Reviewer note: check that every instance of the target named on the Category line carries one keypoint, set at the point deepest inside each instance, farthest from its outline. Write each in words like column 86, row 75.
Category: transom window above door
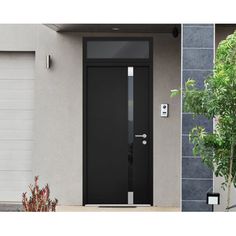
column 115, row 48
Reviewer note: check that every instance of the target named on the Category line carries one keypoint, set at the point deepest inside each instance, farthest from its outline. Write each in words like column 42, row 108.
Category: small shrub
column 39, row 199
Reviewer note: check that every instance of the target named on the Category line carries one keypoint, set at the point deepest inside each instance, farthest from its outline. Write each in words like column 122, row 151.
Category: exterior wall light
column 213, row 198
column 48, row 61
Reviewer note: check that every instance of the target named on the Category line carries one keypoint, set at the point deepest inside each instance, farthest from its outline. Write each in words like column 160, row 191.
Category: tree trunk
column 230, row 176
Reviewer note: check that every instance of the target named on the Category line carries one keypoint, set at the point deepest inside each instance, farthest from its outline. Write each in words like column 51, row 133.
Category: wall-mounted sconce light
column 48, row 61
column 213, row 198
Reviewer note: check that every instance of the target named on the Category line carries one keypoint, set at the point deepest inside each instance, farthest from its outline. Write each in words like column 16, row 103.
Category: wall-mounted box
column 164, row 110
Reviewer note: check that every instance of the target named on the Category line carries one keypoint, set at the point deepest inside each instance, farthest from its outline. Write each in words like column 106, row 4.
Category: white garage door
column 16, row 123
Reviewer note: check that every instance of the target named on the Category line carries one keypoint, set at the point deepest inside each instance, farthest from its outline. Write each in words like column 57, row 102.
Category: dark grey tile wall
column 198, row 54
column 198, row 59
column 198, row 37
column 192, row 168
column 190, row 122
column 196, row 206
column 198, row 75
column 187, row 147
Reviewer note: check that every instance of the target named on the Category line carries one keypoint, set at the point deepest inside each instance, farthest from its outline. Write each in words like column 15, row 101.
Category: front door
column 118, row 135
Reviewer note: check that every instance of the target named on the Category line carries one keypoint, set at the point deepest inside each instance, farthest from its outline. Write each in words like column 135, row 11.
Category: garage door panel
column 12, row 178
column 16, row 115
column 16, row 104
column 16, row 135
column 17, row 60
column 16, row 164
column 13, row 184
column 16, row 123
column 16, row 145
column 11, row 196
column 16, row 84
column 15, row 154
column 16, row 160
column 16, row 74
column 16, row 94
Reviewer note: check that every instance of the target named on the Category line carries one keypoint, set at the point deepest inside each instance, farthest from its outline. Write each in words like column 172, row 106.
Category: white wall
column 58, row 113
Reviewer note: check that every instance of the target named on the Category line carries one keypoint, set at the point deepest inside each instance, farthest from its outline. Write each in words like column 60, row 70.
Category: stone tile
column 195, row 189
column 187, row 147
column 198, row 37
column 195, row 206
column 188, row 122
column 198, row 76
column 197, row 64
column 195, row 168
column 199, row 25
column 198, row 59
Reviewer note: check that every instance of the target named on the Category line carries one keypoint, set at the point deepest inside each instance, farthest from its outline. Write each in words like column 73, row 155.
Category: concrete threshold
column 17, row 207
column 116, row 208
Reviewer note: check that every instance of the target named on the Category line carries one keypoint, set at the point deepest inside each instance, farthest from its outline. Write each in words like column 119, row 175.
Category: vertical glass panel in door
column 130, row 132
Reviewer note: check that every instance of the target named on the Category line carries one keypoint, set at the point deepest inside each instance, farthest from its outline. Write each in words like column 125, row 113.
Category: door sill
column 117, row 205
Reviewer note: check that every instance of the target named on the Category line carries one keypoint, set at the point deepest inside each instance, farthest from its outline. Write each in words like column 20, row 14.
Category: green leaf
column 216, row 99
column 175, row 92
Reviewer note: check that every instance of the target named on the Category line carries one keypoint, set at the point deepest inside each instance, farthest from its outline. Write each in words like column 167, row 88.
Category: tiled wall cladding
column 198, row 54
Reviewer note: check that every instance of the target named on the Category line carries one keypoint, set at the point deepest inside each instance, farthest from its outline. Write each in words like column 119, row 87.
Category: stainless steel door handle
column 140, row 136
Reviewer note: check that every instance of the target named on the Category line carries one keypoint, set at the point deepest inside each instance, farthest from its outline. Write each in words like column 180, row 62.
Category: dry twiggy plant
column 39, row 199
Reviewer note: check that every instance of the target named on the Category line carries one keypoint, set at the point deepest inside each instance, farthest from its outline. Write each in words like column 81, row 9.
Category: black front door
column 118, row 135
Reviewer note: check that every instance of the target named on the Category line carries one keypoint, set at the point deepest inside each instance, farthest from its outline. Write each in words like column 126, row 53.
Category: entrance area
column 118, row 166
column 80, row 117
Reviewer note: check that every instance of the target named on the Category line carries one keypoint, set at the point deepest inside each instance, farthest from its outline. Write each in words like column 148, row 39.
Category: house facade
column 88, row 109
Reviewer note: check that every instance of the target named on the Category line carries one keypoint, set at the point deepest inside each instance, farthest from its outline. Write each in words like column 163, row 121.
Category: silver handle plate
column 140, row 136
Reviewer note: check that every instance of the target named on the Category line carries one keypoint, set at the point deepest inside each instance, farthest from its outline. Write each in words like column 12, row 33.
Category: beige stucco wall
column 166, row 131
column 58, row 113
column 221, row 33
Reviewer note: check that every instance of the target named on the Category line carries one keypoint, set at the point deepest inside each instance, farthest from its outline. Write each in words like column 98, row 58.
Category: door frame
column 117, row 62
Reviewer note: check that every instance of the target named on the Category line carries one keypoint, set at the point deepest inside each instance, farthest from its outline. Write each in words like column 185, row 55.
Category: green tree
column 217, row 100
